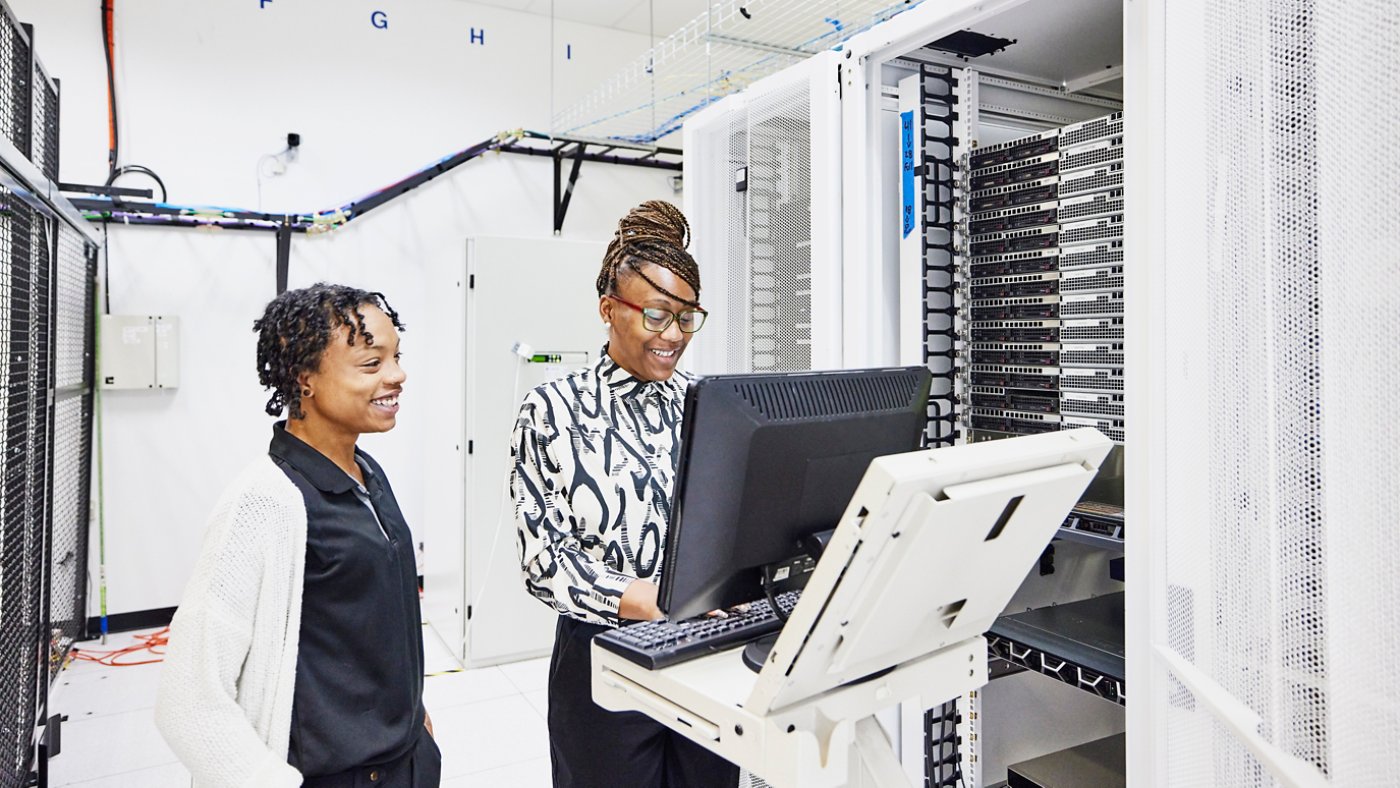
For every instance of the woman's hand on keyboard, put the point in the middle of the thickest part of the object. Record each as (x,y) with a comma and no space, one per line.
(638,602)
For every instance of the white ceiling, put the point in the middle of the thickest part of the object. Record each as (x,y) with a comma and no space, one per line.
(664,17)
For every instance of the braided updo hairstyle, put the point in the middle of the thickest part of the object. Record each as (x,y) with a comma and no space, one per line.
(653,232)
(295,329)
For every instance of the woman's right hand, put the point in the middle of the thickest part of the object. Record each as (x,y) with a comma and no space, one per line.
(639,602)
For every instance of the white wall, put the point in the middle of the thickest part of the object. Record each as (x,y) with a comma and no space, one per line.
(206,89)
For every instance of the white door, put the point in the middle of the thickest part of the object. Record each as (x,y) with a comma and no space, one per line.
(540,293)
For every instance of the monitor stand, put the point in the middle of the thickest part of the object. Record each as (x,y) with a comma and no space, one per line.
(781,576)
(756,652)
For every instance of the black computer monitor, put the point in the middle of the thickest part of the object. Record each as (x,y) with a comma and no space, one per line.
(769,460)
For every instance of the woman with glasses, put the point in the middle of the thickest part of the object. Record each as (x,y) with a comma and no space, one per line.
(595,462)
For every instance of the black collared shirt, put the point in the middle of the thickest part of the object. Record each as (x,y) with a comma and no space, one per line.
(358,699)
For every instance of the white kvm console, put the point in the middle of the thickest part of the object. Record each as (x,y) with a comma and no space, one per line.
(927,555)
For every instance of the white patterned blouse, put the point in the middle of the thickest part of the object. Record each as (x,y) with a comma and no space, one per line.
(594,470)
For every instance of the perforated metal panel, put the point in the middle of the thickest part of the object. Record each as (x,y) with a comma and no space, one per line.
(1246,545)
(780,229)
(45,127)
(16,74)
(75,273)
(46,299)
(750,194)
(1357,46)
(21,542)
(46,281)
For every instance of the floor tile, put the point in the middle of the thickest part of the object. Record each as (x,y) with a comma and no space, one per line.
(77,673)
(109,745)
(169,776)
(539,700)
(490,723)
(533,773)
(110,691)
(488,735)
(469,686)
(528,676)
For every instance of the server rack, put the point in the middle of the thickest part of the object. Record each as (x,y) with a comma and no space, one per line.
(48,263)
(1004,275)
(1044,350)
(1044,347)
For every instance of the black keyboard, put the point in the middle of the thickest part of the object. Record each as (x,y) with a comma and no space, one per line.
(658,644)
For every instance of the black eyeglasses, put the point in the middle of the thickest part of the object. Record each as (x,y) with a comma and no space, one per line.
(657,320)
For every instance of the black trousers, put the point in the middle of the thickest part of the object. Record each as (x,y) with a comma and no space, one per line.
(591,747)
(420,768)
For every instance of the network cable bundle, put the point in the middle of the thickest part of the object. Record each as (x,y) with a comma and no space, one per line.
(1043,237)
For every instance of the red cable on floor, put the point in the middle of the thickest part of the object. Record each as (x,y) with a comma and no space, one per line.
(154,643)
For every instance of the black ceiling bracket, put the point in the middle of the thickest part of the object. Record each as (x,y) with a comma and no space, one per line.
(562,200)
(284,254)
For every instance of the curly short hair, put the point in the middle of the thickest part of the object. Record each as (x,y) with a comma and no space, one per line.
(295,329)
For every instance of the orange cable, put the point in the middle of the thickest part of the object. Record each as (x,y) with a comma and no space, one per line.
(155,643)
(111,44)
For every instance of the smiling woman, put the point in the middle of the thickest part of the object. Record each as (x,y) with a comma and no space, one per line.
(594,470)
(296,657)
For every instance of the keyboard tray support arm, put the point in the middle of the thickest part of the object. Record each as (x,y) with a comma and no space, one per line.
(830,740)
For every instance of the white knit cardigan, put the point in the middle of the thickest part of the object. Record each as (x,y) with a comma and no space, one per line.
(225,700)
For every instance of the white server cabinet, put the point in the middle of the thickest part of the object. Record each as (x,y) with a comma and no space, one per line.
(890,75)
(1264,308)
(887,293)
(1254,279)
(762,174)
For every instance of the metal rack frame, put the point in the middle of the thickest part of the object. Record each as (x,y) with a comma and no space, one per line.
(1076,652)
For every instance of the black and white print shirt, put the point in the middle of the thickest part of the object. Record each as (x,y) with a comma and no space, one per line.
(595,458)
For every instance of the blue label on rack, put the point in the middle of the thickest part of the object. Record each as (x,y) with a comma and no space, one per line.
(906,136)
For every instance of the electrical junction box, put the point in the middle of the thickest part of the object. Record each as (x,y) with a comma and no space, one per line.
(138,352)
